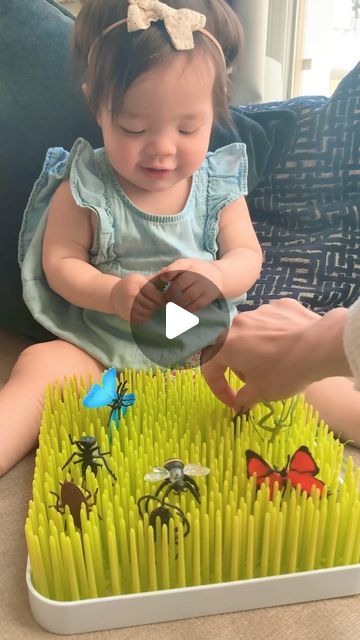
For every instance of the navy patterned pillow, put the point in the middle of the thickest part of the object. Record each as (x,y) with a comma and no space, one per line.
(306,212)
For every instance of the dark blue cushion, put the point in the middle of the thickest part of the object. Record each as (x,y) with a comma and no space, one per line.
(306,211)
(38,109)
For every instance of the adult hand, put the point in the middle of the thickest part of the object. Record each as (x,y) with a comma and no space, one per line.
(136,297)
(277,350)
(187,289)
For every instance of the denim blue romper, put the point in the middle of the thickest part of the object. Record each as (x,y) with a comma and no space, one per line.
(127,240)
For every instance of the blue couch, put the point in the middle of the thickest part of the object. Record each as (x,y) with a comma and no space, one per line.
(304,181)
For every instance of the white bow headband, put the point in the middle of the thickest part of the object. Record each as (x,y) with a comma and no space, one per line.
(179,23)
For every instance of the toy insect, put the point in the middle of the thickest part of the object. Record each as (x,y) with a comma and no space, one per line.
(281,422)
(176,477)
(88,453)
(72,496)
(164,512)
(112,395)
(161,285)
(301,469)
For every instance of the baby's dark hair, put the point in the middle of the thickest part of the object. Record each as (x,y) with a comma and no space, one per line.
(119,57)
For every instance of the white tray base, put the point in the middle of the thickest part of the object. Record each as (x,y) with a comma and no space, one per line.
(176,604)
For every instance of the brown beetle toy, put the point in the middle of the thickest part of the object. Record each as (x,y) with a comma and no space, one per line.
(72,496)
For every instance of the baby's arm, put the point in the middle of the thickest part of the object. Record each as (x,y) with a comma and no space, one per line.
(67,241)
(240,255)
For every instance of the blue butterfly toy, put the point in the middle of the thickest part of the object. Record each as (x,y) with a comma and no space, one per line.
(112,395)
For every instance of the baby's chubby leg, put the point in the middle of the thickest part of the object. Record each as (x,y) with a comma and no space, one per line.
(21,399)
(338,405)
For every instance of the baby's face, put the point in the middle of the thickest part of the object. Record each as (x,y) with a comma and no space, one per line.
(161,135)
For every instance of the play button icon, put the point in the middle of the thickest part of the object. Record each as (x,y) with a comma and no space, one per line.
(178,320)
(172,334)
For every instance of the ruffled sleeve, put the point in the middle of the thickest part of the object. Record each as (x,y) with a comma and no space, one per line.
(227,181)
(56,168)
(82,166)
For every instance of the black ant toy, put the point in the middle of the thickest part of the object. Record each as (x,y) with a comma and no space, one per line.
(88,453)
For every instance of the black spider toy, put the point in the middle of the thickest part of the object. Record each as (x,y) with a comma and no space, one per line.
(88,453)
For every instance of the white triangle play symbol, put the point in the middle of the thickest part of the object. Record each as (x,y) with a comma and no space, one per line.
(178,320)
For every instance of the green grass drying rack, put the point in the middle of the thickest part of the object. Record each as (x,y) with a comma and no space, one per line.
(244,550)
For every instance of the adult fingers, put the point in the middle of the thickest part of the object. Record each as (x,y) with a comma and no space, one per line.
(246,398)
(213,371)
(292,307)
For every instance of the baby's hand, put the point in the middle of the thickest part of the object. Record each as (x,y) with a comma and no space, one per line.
(136,297)
(186,289)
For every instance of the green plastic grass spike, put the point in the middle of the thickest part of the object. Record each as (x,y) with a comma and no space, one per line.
(236,532)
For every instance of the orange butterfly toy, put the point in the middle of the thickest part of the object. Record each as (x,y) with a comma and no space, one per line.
(300,469)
